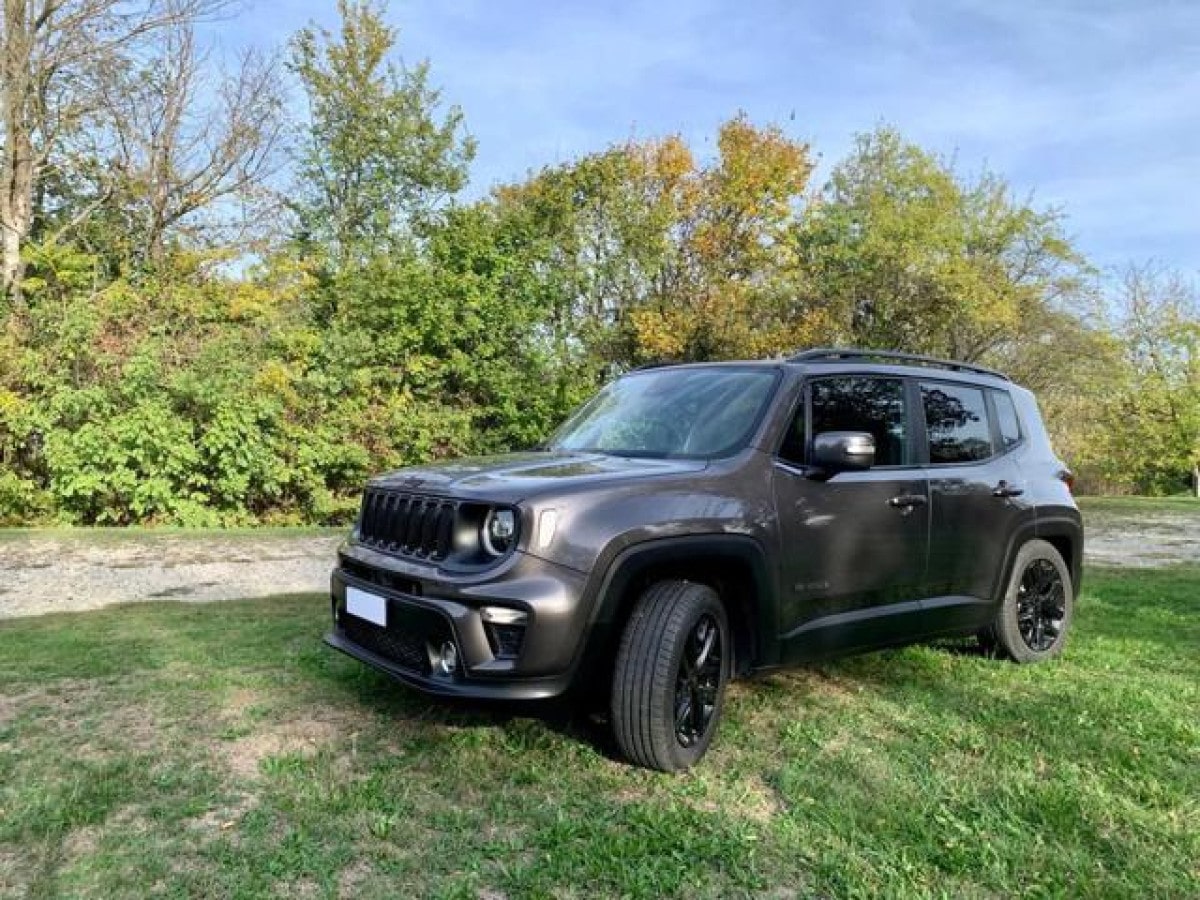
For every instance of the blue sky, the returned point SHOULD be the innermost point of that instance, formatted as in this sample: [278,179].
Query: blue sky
[1091,106]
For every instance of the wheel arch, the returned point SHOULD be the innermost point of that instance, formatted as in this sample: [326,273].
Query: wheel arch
[735,566]
[1065,534]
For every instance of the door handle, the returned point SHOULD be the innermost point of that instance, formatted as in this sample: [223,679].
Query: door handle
[1004,489]
[907,501]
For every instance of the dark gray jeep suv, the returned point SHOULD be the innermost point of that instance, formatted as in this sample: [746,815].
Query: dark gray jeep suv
[693,523]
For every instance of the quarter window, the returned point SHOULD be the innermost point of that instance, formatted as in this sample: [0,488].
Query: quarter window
[957,423]
[1006,418]
[873,405]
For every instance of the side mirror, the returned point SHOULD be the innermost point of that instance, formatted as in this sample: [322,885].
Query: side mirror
[843,451]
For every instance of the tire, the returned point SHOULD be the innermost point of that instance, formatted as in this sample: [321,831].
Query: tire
[1035,615]
[652,690]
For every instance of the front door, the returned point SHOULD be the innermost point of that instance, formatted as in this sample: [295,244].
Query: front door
[854,546]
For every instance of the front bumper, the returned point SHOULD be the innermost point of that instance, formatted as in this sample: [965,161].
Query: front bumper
[426,609]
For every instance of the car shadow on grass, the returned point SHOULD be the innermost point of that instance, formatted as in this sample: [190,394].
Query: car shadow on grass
[578,716]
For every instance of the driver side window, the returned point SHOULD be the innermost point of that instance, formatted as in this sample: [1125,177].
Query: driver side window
[861,403]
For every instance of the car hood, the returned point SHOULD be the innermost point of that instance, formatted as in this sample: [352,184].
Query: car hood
[512,477]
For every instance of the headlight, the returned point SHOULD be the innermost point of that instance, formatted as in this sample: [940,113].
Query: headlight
[499,531]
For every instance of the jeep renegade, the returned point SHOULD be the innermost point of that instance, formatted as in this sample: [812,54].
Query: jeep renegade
[695,523]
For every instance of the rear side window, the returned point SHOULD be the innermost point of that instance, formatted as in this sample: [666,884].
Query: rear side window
[874,405]
[957,423]
[1006,419]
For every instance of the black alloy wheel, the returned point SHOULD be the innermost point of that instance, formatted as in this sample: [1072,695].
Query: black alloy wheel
[1041,605]
[698,681]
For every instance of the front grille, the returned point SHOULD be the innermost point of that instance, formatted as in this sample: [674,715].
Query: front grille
[405,649]
[411,524]
[381,577]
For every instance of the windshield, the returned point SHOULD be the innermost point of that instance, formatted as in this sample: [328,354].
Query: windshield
[676,412]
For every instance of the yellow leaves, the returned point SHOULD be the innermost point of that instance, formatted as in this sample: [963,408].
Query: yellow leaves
[668,161]
[760,167]
[660,333]
[11,404]
[735,323]
[274,378]
[248,301]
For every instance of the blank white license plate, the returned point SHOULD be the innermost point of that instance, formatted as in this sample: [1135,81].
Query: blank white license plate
[366,606]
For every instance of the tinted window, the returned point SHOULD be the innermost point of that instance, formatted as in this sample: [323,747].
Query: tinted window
[1006,418]
[957,422]
[690,412]
[874,405]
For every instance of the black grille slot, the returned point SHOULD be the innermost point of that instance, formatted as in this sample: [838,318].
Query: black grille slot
[381,577]
[405,649]
[409,524]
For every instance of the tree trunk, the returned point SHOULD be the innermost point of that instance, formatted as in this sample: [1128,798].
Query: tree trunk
[17,171]
[10,262]
[16,209]
[1196,479]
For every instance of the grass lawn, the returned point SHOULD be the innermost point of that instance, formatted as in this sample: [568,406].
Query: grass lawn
[1180,505]
[221,750]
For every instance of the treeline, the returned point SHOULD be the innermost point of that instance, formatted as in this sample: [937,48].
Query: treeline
[218,309]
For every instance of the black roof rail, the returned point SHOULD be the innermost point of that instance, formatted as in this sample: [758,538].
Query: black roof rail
[656,364]
[852,354]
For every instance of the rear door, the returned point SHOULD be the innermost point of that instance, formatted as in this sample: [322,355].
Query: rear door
[976,493]
[853,546]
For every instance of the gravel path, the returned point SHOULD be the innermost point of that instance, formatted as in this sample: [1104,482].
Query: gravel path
[1159,539]
[45,571]
[61,571]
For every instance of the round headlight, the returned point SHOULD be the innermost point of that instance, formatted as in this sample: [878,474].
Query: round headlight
[499,530]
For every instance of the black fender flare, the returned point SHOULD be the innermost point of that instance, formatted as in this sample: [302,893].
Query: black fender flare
[1042,527]
[1071,528]
[612,597]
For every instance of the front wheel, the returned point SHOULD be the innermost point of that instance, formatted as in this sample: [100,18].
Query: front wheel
[1032,621]
[670,676]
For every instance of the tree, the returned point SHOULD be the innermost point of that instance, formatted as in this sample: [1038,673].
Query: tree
[181,151]
[1152,421]
[915,257]
[54,57]
[375,160]
[646,253]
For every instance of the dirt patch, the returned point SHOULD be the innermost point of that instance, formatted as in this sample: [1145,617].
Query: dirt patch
[81,842]
[8,709]
[758,801]
[223,819]
[304,737]
[353,877]
[240,700]
[299,889]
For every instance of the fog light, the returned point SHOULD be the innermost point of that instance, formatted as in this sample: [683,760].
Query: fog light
[447,662]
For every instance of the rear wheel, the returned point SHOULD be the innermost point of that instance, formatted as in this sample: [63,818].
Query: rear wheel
[670,675]
[1032,622]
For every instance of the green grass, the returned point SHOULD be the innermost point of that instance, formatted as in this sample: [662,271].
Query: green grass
[1138,506]
[176,750]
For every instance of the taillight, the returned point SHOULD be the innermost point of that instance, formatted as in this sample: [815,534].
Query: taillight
[1067,477]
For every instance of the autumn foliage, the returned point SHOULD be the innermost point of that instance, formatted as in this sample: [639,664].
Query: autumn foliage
[366,316]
